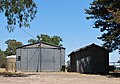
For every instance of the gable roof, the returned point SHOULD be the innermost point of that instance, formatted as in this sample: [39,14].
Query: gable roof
[88,46]
[40,43]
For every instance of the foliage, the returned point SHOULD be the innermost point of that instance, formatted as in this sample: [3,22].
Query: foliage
[118,61]
[68,66]
[68,63]
[12,45]
[55,40]
[2,59]
[106,14]
[18,12]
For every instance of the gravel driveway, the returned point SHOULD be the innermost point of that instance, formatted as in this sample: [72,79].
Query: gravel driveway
[59,78]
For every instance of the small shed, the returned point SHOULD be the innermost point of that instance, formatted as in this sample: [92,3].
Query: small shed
[39,57]
[92,59]
[10,63]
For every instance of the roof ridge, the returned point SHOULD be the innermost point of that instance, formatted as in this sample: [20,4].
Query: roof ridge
[39,43]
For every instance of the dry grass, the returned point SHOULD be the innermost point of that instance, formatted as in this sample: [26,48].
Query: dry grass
[4,73]
[56,78]
[59,78]
[2,70]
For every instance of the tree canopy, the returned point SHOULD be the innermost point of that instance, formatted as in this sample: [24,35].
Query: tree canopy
[12,44]
[2,59]
[106,16]
[55,40]
[18,12]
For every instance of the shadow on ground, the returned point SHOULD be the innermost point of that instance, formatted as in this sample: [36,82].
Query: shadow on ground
[15,74]
[11,74]
[113,75]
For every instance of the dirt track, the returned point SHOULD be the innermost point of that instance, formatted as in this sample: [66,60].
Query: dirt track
[59,78]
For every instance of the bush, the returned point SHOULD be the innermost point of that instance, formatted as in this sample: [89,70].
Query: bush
[2,59]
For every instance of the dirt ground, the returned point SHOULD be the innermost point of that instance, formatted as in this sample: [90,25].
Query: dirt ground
[59,78]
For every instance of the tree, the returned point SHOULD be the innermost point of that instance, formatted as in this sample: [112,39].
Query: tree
[18,12]
[68,66]
[118,61]
[2,59]
[55,40]
[106,14]
[12,45]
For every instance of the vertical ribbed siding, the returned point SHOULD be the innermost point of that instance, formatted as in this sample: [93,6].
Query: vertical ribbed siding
[40,59]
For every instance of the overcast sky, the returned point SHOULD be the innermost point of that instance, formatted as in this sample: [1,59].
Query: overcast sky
[65,18]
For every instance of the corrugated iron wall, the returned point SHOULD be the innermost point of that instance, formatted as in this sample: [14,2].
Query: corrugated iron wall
[40,59]
[92,60]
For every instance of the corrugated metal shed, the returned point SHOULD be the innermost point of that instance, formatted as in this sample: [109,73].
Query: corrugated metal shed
[90,59]
[40,57]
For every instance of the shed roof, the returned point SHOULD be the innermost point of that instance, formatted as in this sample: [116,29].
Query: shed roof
[46,45]
[88,46]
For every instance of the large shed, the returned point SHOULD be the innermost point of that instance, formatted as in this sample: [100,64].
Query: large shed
[90,59]
[39,57]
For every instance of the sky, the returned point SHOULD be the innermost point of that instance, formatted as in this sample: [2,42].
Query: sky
[64,18]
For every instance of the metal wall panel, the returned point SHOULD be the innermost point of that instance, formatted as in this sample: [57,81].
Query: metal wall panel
[90,60]
[40,59]
[33,59]
[99,65]
[62,57]
[48,59]
[85,65]
[17,62]
[24,59]
[57,60]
